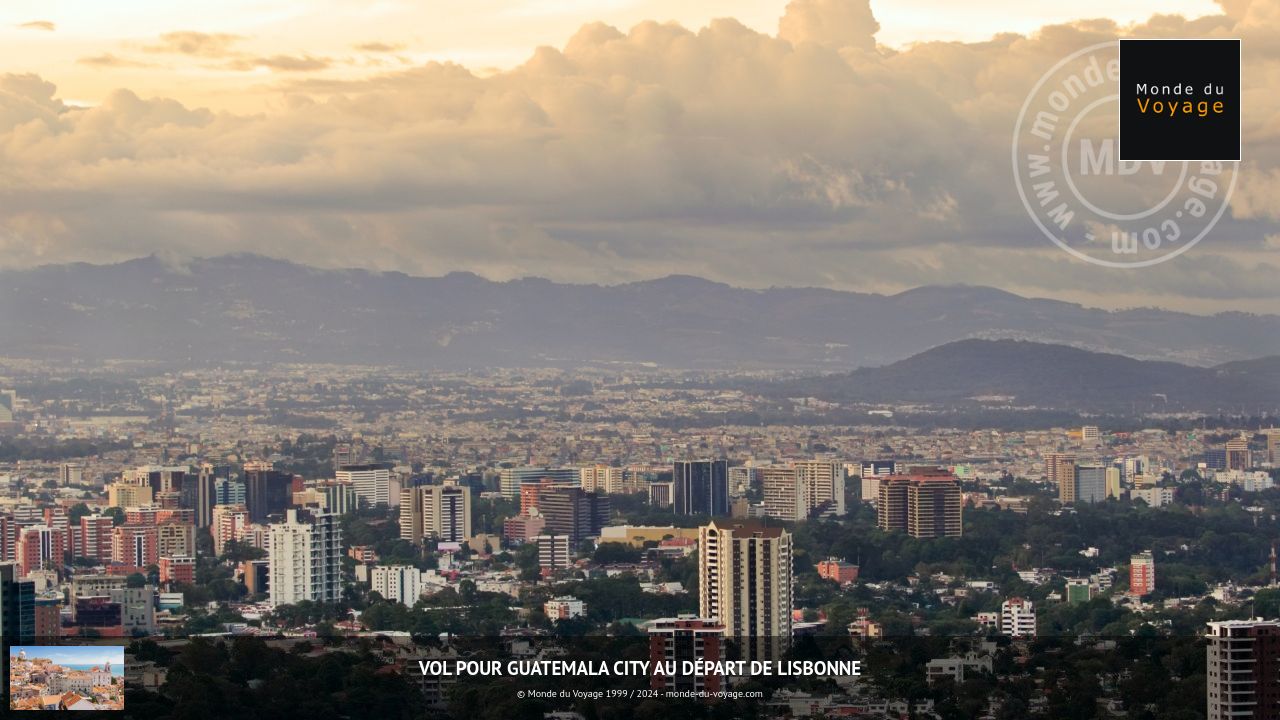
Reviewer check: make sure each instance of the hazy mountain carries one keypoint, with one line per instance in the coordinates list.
(254, 308)
(987, 372)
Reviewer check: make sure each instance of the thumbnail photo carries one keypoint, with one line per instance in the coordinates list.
(64, 677)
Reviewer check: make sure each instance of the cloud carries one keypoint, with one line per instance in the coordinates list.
(809, 157)
(832, 23)
(44, 25)
(188, 42)
(283, 63)
(108, 60)
(379, 47)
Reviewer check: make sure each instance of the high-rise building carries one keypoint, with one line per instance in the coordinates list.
(511, 480)
(1113, 482)
(175, 539)
(701, 487)
(802, 490)
(95, 537)
(744, 584)
(1091, 483)
(441, 511)
(305, 559)
(573, 512)
(70, 474)
(230, 522)
(398, 583)
(17, 606)
(1238, 454)
(601, 478)
(554, 553)
(1018, 617)
(1273, 445)
(371, 481)
(1060, 472)
(925, 504)
(40, 546)
(1142, 574)
(162, 479)
(331, 496)
(680, 640)
(207, 488)
(267, 491)
(123, 494)
(785, 495)
(1242, 672)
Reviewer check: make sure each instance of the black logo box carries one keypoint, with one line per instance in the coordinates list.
(1180, 62)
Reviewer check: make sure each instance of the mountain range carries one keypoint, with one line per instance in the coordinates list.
(993, 373)
(253, 308)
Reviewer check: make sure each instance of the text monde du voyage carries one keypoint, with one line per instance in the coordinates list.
(1179, 99)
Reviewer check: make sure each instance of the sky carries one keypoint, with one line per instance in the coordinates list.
(73, 655)
(833, 143)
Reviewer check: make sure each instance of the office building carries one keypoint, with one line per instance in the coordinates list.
(268, 492)
(208, 480)
(371, 482)
(745, 584)
(17, 606)
(701, 487)
(1091, 483)
(680, 640)
(662, 494)
(511, 480)
(398, 583)
(573, 512)
(1242, 670)
(1142, 574)
(1237, 454)
(305, 559)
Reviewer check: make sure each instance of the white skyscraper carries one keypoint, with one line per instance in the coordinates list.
(372, 482)
(305, 559)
